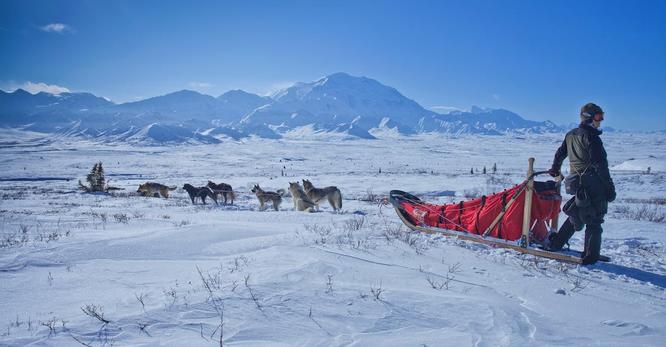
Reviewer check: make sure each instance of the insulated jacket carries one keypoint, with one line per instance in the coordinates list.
(585, 150)
(588, 159)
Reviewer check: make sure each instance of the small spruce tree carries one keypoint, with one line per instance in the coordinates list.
(484, 170)
(96, 180)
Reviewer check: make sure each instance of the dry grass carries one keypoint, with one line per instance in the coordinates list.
(643, 212)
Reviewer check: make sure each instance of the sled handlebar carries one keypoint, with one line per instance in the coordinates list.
(537, 173)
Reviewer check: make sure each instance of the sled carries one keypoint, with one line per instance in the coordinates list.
(518, 218)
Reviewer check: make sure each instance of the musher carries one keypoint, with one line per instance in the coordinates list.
(589, 181)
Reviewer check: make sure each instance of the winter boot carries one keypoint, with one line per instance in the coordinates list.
(592, 244)
(548, 240)
(559, 239)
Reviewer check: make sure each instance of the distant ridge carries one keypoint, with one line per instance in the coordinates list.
(338, 105)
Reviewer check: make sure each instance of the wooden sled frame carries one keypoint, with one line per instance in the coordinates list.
(396, 197)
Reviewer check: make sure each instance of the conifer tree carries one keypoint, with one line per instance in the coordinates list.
(96, 180)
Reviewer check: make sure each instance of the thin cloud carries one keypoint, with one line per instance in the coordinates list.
(35, 87)
(59, 28)
(496, 97)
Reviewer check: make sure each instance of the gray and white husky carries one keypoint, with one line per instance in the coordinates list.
(332, 194)
(264, 196)
(301, 200)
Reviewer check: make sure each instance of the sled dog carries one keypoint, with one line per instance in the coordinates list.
(264, 196)
(154, 189)
(199, 192)
(301, 200)
(224, 190)
(332, 194)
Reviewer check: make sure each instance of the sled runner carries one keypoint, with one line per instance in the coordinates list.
(517, 218)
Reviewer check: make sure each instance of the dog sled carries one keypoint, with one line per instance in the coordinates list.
(518, 218)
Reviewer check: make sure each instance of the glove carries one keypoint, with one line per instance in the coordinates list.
(554, 172)
(611, 195)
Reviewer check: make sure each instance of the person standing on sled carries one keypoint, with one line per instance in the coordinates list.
(589, 181)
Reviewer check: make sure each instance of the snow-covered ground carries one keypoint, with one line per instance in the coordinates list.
(165, 272)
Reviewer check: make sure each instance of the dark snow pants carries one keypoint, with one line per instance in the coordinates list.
(592, 248)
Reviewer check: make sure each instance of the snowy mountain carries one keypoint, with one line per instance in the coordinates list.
(182, 104)
(492, 121)
(340, 98)
(350, 106)
(369, 105)
(234, 104)
(165, 134)
(22, 106)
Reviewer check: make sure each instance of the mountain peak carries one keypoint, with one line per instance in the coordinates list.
(184, 92)
(341, 78)
(180, 96)
(339, 75)
(336, 85)
(20, 91)
(236, 93)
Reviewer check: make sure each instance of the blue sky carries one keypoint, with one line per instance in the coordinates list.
(542, 59)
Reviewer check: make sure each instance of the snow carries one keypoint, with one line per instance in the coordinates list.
(641, 164)
(316, 278)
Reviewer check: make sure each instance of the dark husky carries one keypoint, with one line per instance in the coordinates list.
(199, 192)
(224, 190)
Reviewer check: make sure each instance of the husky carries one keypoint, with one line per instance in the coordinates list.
(332, 194)
(200, 192)
(222, 189)
(301, 200)
(265, 196)
(154, 189)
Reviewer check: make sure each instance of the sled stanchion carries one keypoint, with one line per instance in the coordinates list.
(527, 211)
(554, 223)
(514, 197)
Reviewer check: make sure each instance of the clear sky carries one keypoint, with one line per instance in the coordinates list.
(542, 59)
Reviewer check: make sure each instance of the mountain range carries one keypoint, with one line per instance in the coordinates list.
(336, 105)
